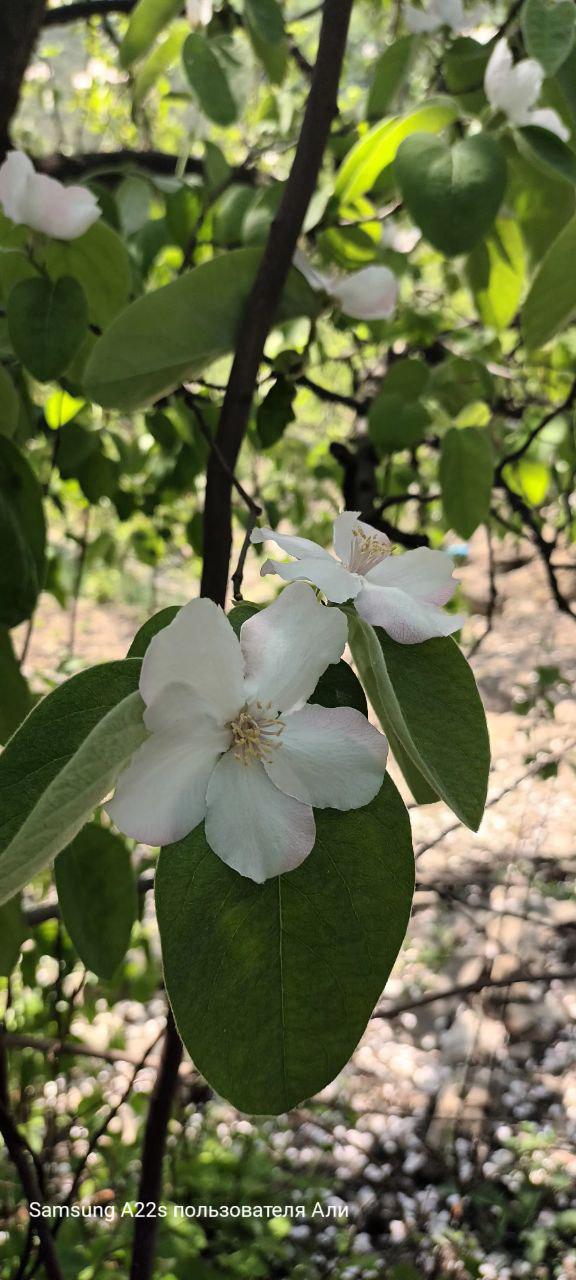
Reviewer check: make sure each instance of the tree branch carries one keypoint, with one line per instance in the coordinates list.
(101, 163)
(86, 9)
(266, 292)
(23, 1160)
(482, 983)
(20, 22)
(150, 1186)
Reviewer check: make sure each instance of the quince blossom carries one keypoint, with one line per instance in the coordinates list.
(514, 90)
(42, 203)
(403, 594)
(199, 12)
(369, 294)
(234, 740)
(443, 13)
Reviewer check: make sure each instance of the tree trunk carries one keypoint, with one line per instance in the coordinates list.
(20, 22)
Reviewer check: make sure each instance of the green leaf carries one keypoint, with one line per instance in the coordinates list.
(9, 404)
(496, 271)
(395, 423)
(276, 412)
(100, 263)
(529, 479)
(208, 80)
(272, 985)
(551, 302)
(377, 149)
(61, 763)
(274, 57)
(15, 696)
(265, 17)
(463, 67)
(426, 699)
(162, 58)
(13, 931)
(172, 334)
(98, 899)
(390, 73)
(22, 536)
(466, 477)
(549, 152)
(147, 20)
(453, 193)
(150, 629)
(548, 31)
(47, 322)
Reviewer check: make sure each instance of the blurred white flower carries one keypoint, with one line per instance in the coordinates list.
(403, 594)
(515, 89)
(42, 203)
(233, 739)
(369, 294)
(199, 12)
(443, 13)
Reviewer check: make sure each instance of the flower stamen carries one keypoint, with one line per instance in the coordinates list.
(253, 738)
(367, 551)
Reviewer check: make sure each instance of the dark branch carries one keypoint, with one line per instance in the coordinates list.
(150, 1186)
(23, 1160)
(482, 983)
(86, 9)
(105, 164)
(20, 22)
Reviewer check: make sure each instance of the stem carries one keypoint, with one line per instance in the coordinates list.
(266, 292)
(150, 1186)
(22, 1159)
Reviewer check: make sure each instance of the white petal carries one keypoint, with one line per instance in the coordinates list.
(337, 583)
(315, 279)
(177, 704)
(420, 20)
(406, 619)
(294, 546)
(198, 648)
(288, 646)
(61, 212)
(330, 757)
(423, 573)
(161, 796)
(15, 174)
(254, 827)
(498, 74)
(344, 526)
(451, 13)
(526, 82)
(549, 119)
(199, 12)
(369, 294)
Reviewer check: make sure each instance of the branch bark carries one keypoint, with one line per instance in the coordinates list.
(266, 292)
(150, 1186)
(20, 22)
(85, 9)
(22, 1159)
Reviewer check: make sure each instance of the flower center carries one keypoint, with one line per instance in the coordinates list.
(367, 551)
(255, 737)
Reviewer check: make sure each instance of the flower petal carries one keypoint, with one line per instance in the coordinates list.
(199, 12)
(198, 648)
(423, 573)
(549, 119)
(161, 796)
(406, 618)
(337, 583)
(525, 85)
(293, 546)
(254, 827)
(315, 279)
(369, 294)
(344, 526)
(420, 20)
(15, 174)
(61, 212)
(330, 757)
(288, 646)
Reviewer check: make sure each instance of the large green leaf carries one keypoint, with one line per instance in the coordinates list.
(273, 984)
(12, 935)
(548, 31)
(98, 897)
(147, 20)
(453, 193)
(15, 696)
(466, 475)
(9, 404)
(389, 75)
(496, 271)
(426, 699)
(22, 536)
(99, 261)
(395, 422)
(48, 322)
(548, 151)
(377, 149)
(172, 334)
(208, 80)
(265, 16)
(63, 760)
(551, 302)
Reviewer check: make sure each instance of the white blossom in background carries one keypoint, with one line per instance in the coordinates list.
(234, 741)
(443, 13)
(199, 12)
(42, 203)
(369, 294)
(515, 89)
(403, 594)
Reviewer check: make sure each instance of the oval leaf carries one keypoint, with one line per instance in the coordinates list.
(22, 536)
(466, 476)
(377, 148)
(272, 985)
(548, 31)
(551, 302)
(148, 19)
(208, 81)
(47, 322)
(98, 899)
(453, 193)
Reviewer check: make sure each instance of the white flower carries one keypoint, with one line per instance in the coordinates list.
(515, 89)
(443, 13)
(42, 203)
(403, 594)
(369, 294)
(199, 12)
(231, 740)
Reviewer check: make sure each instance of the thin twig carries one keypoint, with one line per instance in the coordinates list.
(482, 983)
(22, 1158)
